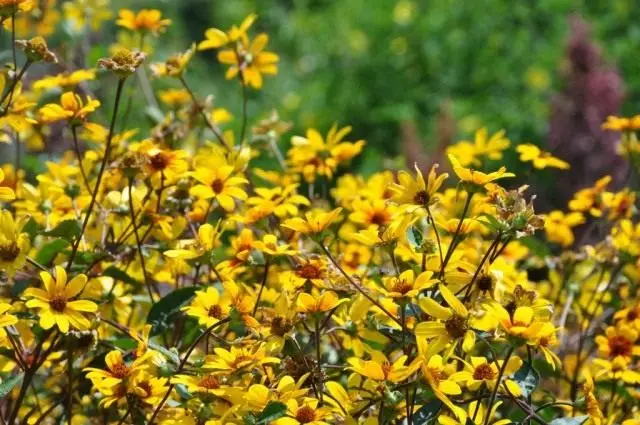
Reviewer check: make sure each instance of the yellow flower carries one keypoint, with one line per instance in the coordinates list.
(116, 369)
(9, 8)
(14, 245)
(239, 359)
(16, 116)
(381, 369)
(614, 123)
(619, 341)
(216, 38)
(81, 13)
(5, 318)
(251, 61)
(476, 415)
(620, 204)
(269, 245)
(208, 307)
(220, 184)
(123, 63)
(541, 159)
(316, 303)
(306, 412)
(407, 285)
(410, 191)
(146, 20)
(468, 152)
(207, 384)
(207, 239)
(558, 226)
(65, 80)
(175, 65)
(453, 324)
(56, 303)
(522, 324)
(592, 404)
(314, 222)
(477, 178)
(71, 108)
(6, 193)
(590, 198)
(482, 372)
(626, 237)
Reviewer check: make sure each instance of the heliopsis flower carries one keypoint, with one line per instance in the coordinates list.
(371, 212)
(478, 179)
(620, 204)
(6, 319)
(71, 108)
(207, 239)
(522, 324)
(14, 244)
(481, 371)
(16, 114)
(123, 63)
(269, 245)
(453, 324)
(315, 221)
(146, 20)
(540, 159)
(308, 412)
(407, 285)
(56, 301)
(37, 50)
(65, 80)
(175, 65)
(476, 415)
(622, 124)
(591, 400)
(442, 377)
(469, 153)
(379, 368)
(219, 184)
(417, 192)
(239, 359)
(6, 193)
(116, 370)
(207, 384)
(208, 307)
(618, 341)
(590, 198)
(8, 8)
(83, 13)
(251, 61)
(216, 38)
(318, 303)
(558, 225)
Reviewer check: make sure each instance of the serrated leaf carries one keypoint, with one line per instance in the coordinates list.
(274, 410)
(428, 413)
(8, 384)
(161, 313)
(527, 378)
(49, 252)
(68, 230)
(576, 420)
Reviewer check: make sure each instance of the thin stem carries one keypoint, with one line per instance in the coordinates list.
(355, 285)
(245, 99)
(487, 254)
(451, 247)
(76, 147)
(14, 83)
(435, 229)
(147, 281)
(69, 382)
(498, 382)
(196, 103)
(182, 365)
(319, 359)
(126, 415)
(262, 285)
(103, 166)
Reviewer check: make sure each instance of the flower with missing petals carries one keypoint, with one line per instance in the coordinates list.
(123, 63)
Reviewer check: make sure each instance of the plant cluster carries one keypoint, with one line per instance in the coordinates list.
(161, 277)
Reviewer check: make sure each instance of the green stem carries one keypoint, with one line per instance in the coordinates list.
(451, 247)
(498, 382)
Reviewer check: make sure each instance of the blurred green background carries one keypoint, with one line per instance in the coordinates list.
(407, 74)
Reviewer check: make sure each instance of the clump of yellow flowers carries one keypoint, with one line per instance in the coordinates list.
(160, 277)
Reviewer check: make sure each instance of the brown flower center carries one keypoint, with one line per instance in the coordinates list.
(218, 186)
(485, 283)
(305, 415)
(120, 370)
(309, 271)
(632, 314)
(146, 387)
(209, 382)
(215, 311)
(483, 372)
(381, 218)
(620, 346)
(9, 252)
(422, 198)
(456, 326)
(280, 326)
(160, 161)
(402, 286)
(58, 304)
(437, 375)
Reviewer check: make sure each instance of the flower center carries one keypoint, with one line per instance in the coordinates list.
(215, 311)
(146, 387)
(217, 185)
(620, 346)
(305, 415)
(402, 286)
(160, 161)
(120, 370)
(456, 326)
(380, 218)
(58, 304)
(209, 382)
(421, 198)
(9, 252)
(280, 326)
(309, 271)
(485, 283)
(483, 372)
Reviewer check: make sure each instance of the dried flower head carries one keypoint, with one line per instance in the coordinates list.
(123, 63)
(37, 50)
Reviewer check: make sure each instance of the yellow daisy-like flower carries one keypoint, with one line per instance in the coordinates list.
(175, 65)
(540, 159)
(477, 178)
(56, 303)
(216, 38)
(314, 222)
(316, 303)
(14, 245)
(71, 108)
(208, 307)
(469, 152)
(9, 8)
(146, 20)
(558, 226)
(381, 369)
(117, 370)
(220, 184)
(416, 191)
(407, 285)
(5, 318)
(251, 61)
(622, 124)
(6, 193)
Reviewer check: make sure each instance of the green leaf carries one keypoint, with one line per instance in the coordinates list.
(120, 275)
(125, 343)
(577, 420)
(8, 384)
(527, 378)
(162, 312)
(415, 238)
(31, 227)
(273, 411)
(48, 252)
(68, 229)
(170, 355)
(428, 413)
